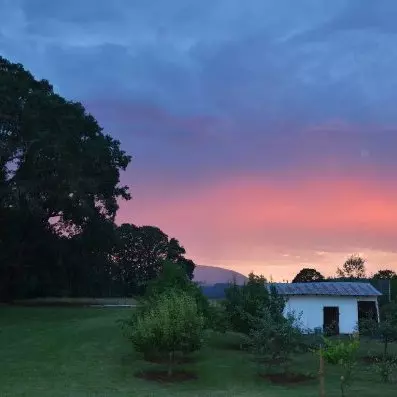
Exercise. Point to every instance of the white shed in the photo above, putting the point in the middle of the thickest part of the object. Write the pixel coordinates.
(331, 306)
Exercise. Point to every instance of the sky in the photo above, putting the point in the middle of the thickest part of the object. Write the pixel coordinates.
(263, 133)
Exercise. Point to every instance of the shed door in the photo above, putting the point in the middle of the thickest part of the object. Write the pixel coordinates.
(331, 320)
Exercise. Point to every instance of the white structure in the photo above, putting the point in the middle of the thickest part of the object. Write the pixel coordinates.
(332, 306)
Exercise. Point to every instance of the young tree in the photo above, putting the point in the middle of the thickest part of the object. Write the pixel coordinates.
(168, 324)
(173, 277)
(343, 353)
(354, 267)
(244, 302)
(308, 275)
(386, 329)
(274, 337)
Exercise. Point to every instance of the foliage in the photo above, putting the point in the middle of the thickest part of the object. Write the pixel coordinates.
(173, 277)
(59, 176)
(385, 367)
(217, 319)
(307, 275)
(55, 158)
(169, 323)
(386, 329)
(273, 337)
(140, 253)
(385, 275)
(343, 353)
(354, 267)
(243, 303)
(312, 340)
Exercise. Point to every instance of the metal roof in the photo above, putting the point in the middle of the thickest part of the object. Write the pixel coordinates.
(327, 288)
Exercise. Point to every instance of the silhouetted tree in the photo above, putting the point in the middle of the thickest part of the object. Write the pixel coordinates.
(385, 275)
(59, 174)
(308, 275)
(354, 267)
(140, 253)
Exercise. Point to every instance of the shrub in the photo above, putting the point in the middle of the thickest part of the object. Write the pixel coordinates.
(244, 303)
(170, 323)
(385, 330)
(385, 367)
(174, 278)
(343, 353)
(273, 338)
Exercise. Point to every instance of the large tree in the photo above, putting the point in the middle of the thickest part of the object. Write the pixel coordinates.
(308, 275)
(385, 275)
(54, 155)
(140, 252)
(59, 174)
(354, 267)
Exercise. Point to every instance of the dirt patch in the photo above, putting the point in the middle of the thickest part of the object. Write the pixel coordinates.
(271, 361)
(164, 360)
(163, 377)
(287, 378)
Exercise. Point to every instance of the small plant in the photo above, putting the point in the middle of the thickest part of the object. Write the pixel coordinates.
(343, 353)
(169, 323)
(385, 367)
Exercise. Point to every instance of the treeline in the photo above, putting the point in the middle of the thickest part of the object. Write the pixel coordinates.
(59, 193)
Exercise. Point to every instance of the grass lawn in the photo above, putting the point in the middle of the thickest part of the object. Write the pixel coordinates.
(76, 352)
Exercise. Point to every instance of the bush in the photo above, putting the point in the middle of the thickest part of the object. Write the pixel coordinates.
(174, 278)
(167, 324)
(385, 330)
(273, 338)
(385, 367)
(244, 303)
(343, 353)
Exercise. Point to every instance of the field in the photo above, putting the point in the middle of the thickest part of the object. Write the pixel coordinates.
(80, 352)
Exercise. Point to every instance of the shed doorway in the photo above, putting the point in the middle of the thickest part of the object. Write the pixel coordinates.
(331, 320)
(367, 310)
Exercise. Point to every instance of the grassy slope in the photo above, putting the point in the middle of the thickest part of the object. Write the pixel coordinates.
(76, 352)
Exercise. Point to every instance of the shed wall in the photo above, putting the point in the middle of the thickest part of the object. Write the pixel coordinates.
(311, 310)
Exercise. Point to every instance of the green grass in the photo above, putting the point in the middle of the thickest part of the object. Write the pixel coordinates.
(80, 352)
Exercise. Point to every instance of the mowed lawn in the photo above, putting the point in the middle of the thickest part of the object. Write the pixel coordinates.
(80, 352)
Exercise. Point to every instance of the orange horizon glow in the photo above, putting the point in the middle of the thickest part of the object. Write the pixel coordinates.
(275, 226)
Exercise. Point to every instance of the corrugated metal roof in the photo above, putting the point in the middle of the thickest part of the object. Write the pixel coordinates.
(327, 288)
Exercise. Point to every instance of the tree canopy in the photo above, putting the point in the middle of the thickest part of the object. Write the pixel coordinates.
(354, 267)
(385, 275)
(55, 159)
(308, 275)
(140, 253)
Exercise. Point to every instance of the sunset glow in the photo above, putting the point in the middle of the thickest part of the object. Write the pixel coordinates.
(262, 138)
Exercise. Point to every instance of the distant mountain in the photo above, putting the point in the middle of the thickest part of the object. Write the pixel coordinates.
(210, 275)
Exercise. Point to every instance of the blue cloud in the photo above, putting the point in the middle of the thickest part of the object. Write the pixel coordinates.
(263, 72)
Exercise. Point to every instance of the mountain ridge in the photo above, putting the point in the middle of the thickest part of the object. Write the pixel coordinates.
(210, 275)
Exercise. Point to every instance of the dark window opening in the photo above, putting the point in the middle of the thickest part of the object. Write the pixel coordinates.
(331, 320)
(367, 310)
